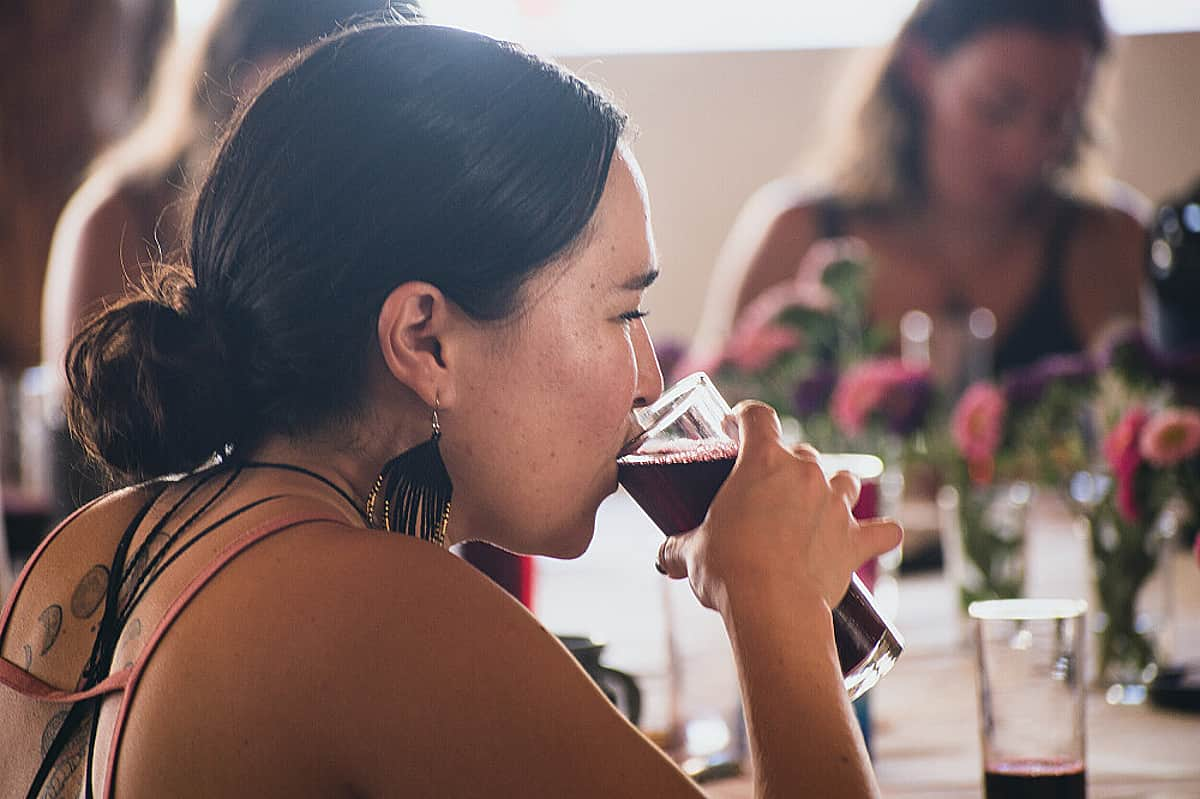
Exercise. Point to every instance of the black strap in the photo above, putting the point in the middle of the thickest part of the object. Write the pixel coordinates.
(79, 710)
(1058, 240)
(832, 218)
(316, 476)
(116, 616)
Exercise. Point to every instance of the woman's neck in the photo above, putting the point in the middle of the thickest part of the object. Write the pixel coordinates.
(350, 476)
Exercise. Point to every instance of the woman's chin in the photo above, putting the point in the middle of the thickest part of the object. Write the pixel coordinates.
(571, 542)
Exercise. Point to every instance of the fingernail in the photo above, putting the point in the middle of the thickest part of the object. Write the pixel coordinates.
(660, 568)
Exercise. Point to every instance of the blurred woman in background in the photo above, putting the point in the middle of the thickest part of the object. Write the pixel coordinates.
(71, 78)
(128, 212)
(969, 174)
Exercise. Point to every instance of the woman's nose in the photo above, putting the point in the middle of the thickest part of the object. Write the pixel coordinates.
(649, 375)
(1028, 151)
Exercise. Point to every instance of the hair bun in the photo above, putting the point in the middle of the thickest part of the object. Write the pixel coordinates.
(153, 387)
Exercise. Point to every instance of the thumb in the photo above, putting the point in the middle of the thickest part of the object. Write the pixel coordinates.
(673, 555)
(758, 425)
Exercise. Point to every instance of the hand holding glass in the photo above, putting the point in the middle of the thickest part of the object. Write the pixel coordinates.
(674, 469)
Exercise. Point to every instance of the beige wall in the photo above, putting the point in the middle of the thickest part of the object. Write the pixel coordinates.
(715, 126)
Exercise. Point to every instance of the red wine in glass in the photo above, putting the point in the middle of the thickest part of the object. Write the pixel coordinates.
(1035, 779)
(675, 488)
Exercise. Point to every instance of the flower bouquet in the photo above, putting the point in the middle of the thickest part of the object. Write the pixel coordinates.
(806, 350)
(1030, 428)
(1151, 488)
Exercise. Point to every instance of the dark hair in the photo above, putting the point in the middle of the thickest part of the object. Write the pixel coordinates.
(247, 31)
(388, 154)
(881, 162)
(945, 24)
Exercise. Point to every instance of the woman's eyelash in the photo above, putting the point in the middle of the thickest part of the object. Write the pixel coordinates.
(629, 316)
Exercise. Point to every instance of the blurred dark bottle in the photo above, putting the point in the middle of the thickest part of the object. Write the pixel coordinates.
(1173, 266)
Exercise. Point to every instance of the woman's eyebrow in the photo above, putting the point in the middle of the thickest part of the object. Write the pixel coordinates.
(643, 280)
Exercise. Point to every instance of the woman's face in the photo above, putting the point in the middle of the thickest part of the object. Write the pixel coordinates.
(1001, 110)
(542, 410)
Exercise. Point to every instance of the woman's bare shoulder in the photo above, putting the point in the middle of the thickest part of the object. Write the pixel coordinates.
(372, 654)
(100, 242)
(1109, 237)
(775, 228)
(1105, 266)
(786, 202)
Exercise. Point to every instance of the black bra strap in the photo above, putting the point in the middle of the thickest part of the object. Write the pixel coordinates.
(1058, 240)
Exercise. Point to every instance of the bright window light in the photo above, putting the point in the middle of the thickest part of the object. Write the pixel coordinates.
(581, 27)
(190, 15)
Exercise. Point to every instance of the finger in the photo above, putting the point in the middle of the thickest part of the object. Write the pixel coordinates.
(758, 425)
(672, 556)
(877, 536)
(846, 485)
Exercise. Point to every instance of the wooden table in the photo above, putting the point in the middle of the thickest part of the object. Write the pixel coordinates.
(926, 740)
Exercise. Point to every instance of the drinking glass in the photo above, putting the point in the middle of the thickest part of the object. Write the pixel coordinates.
(1030, 675)
(674, 469)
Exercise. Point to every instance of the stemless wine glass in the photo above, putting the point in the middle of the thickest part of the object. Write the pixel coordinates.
(1029, 670)
(674, 469)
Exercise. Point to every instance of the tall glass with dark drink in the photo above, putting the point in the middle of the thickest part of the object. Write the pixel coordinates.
(673, 471)
(1031, 697)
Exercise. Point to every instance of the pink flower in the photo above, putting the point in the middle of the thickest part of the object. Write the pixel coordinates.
(757, 348)
(1170, 436)
(1121, 442)
(978, 423)
(866, 388)
(1123, 454)
(759, 337)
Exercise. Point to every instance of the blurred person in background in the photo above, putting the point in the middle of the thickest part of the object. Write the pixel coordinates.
(71, 77)
(127, 213)
(970, 174)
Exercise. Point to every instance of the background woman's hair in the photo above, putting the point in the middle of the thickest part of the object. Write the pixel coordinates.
(389, 154)
(195, 86)
(874, 160)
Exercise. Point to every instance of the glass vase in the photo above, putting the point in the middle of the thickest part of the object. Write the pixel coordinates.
(1132, 575)
(982, 532)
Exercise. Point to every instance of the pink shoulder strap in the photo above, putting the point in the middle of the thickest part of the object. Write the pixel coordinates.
(134, 673)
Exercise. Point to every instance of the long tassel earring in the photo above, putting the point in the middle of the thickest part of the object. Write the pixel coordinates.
(412, 493)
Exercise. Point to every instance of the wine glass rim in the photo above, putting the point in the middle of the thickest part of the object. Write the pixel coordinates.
(1026, 609)
(666, 409)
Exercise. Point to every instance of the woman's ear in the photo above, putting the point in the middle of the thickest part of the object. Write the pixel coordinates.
(413, 323)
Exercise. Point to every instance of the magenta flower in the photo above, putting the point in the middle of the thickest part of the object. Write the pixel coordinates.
(1121, 443)
(754, 348)
(978, 422)
(759, 337)
(1170, 436)
(886, 387)
(1027, 385)
(1123, 454)
(812, 393)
